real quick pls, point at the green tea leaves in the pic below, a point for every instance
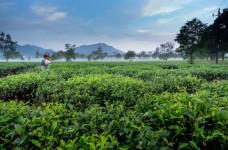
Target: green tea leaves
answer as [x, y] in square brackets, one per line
[36, 142]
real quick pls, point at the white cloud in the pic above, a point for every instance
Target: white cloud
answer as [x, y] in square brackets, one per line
[160, 10]
[210, 8]
[39, 10]
[50, 13]
[167, 33]
[56, 16]
[164, 21]
[203, 13]
[157, 7]
[142, 31]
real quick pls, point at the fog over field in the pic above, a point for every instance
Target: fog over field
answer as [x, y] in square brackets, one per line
[110, 59]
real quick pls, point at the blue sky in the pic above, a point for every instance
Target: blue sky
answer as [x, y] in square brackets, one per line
[139, 25]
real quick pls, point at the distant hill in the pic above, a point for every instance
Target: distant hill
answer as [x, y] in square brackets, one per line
[87, 49]
[30, 50]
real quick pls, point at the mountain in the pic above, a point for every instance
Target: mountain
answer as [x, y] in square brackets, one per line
[30, 50]
[87, 49]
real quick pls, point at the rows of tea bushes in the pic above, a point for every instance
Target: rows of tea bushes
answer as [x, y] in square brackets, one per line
[83, 90]
[9, 68]
[136, 105]
[168, 121]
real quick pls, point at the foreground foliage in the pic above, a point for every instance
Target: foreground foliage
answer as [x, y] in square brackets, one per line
[116, 106]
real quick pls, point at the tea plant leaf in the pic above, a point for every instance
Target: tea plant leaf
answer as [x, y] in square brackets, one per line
[62, 143]
[35, 142]
[54, 125]
[163, 148]
[19, 130]
[193, 144]
[17, 148]
[183, 145]
[70, 147]
[20, 140]
[216, 133]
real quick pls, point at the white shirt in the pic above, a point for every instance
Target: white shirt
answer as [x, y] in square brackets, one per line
[47, 61]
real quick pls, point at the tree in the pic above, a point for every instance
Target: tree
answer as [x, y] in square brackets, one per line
[165, 50]
[100, 53]
[216, 37]
[150, 53]
[8, 47]
[143, 55]
[118, 56]
[58, 55]
[70, 52]
[89, 57]
[97, 54]
[209, 42]
[156, 53]
[130, 55]
[37, 54]
[222, 20]
[189, 38]
[12, 54]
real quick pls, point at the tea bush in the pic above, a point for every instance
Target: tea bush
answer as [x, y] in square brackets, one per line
[93, 89]
[10, 68]
[116, 105]
[168, 121]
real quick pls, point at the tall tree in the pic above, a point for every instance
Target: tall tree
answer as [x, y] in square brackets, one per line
[156, 53]
[209, 41]
[8, 46]
[58, 55]
[223, 25]
[189, 38]
[143, 55]
[118, 56]
[215, 39]
[37, 54]
[165, 50]
[97, 54]
[100, 53]
[70, 52]
[130, 55]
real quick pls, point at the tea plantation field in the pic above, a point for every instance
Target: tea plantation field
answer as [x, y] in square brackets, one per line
[115, 105]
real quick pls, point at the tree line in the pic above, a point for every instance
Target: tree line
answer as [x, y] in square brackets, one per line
[198, 40]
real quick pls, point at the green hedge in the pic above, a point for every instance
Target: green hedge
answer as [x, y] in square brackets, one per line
[197, 121]
[93, 89]
[211, 74]
[24, 86]
[217, 88]
[168, 121]
[115, 106]
[10, 68]
[20, 87]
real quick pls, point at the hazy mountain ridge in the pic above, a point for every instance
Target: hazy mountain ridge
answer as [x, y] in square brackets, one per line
[87, 49]
[30, 50]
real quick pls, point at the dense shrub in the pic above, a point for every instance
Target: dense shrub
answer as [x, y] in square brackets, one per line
[136, 105]
[211, 74]
[24, 86]
[168, 121]
[11, 68]
[93, 89]
[20, 87]
[217, 88]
